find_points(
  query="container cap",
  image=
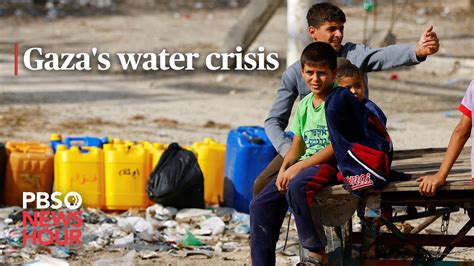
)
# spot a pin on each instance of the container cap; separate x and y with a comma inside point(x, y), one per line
point(61, 147)
point(55, 137)
point(157, 145)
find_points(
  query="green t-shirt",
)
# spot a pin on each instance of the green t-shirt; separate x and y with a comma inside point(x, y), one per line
point(310, 124)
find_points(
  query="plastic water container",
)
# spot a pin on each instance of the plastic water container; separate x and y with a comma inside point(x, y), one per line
point(29, 169)
point(211, 158)
point(82, 171)
point(126, 174)
point(249, 151)
point(156, 151)
point(3, 164)
point(56, 139)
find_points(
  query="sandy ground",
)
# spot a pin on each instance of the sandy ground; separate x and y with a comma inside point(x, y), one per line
point(185, 107)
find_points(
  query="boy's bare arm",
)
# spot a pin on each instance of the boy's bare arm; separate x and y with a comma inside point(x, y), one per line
point(294, 153)
point(324, 156)
point(462, 132)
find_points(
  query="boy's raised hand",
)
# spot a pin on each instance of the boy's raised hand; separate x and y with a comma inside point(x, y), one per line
point(429, 184)
point(428, 43)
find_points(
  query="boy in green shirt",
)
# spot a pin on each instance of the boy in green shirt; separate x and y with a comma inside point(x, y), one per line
point(304, 165)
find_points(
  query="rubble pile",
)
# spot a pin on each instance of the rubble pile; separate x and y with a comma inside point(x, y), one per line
point(142, 234)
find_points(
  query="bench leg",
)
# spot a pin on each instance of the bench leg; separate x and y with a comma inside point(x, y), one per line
point(460, 235)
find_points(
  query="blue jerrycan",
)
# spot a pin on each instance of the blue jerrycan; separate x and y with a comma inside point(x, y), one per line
point(56, 140)
point(248, 152)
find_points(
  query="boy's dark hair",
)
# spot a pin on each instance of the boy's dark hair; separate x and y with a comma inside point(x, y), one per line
point(319, 54)
point(347, 70)
point(324, 12)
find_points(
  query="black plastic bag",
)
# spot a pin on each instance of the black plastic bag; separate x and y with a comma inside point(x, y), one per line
point(177, 180)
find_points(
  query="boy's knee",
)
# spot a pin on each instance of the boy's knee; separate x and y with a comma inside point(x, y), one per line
point(296, 185)
point(254, 205)
point(260, 183)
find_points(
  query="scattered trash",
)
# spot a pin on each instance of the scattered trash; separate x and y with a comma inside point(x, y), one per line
point(170, 224)
point(239, 217)
point(215, 224)
point(201, 232)
point(356, 223)
point(60, 252)
point(137, 224)
point(242, 229)
point(206, 253)
point(148, 254)
point(151, 247)
point(186, 215)
point(161, 213)
point(126, 260)
point(95, 216)
point(218, 248)
point(191, 240)
point(124, 240)
point(225, 213)
point(393, 76)
point(184, 233)
point(5, 212)
point(230, 246)
point(45, 260)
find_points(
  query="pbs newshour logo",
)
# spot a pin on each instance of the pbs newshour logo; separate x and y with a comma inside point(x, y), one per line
point(51, 223)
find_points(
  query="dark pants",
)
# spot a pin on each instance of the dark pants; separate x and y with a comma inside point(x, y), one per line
point(268, 209)
point(267, 175)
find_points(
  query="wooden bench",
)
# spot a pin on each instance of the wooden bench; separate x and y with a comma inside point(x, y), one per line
point(376, 209)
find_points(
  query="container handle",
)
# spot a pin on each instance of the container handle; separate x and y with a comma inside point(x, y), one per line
point(34, 149)
point(86, 149)
point(75, 141)
point(252, 139)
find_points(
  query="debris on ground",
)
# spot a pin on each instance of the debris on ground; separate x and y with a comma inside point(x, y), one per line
point(136, 234)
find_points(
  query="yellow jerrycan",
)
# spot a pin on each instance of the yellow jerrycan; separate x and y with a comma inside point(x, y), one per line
point(126, 173)
point(82, 171)
point(155, 150)
point(211, 158)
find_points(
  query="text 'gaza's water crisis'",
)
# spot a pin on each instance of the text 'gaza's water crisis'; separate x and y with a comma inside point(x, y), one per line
point(36, 58)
